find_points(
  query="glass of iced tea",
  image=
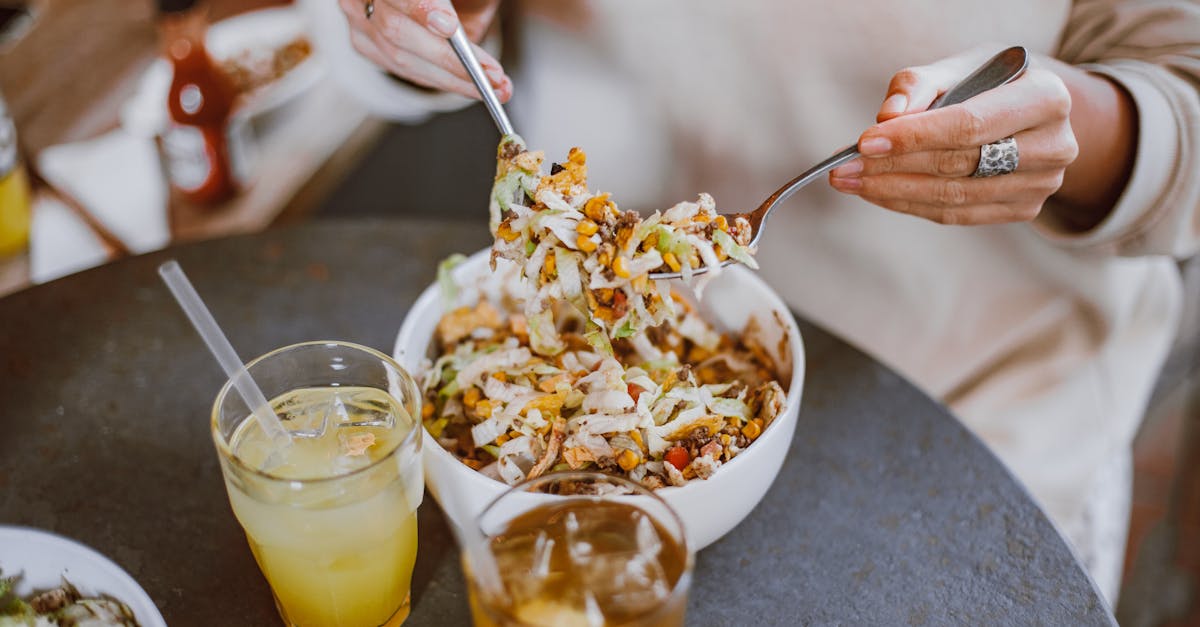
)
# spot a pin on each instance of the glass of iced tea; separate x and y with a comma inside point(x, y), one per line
point(332, 518)
point(578, 548)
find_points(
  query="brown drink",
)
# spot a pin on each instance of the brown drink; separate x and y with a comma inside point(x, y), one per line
point(588, 561)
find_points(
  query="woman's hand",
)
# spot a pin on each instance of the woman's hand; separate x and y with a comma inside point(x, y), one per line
point(920, 162)
point(408, 39)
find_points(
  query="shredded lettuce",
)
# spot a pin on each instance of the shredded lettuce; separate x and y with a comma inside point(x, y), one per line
point(735, 250)
point(446, 282)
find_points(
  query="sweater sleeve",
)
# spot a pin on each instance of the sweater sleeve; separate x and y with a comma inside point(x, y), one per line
point(381, 93)
point(1152, 49)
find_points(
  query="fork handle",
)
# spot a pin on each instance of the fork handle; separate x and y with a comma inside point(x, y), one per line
point(462, 48)
point(999, 70)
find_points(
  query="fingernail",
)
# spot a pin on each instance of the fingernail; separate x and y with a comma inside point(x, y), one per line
point(441, 23)
point(496, 74)
point(847, 185)
point(896, 103)
point(853, 168)
point(875, 146)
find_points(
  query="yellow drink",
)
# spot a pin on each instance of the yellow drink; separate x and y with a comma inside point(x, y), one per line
point(331, 519)
point(14, 211)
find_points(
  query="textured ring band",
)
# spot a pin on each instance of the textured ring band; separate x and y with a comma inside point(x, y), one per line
point(997, 158)
point(369, 8)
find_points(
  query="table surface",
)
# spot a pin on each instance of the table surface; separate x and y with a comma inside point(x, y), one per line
point(887, 511)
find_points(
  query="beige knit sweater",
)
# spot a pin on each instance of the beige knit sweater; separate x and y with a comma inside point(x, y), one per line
point(1045, 344)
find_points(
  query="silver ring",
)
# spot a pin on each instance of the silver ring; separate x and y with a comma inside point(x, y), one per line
point(997, 158)
point(369, 8)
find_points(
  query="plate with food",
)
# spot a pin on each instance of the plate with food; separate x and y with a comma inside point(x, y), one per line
point(553, 350)
point(46, 579)
point(267, 54)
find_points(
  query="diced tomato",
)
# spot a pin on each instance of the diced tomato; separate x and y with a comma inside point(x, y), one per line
point(635, 391)
point(677, 457)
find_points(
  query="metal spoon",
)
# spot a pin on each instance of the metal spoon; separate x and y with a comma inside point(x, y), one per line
point(462, 48)
point(999, 70)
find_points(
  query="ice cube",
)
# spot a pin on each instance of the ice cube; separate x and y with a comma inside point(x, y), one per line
point(543, 550)
point(578, 549)
point(632, 581)
point(365, 408)
point(308, 420)
point(648, 541)
point(591, 609)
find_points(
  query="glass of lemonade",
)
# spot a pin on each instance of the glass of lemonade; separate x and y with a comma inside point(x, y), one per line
point(331, 519)
point(579, 548)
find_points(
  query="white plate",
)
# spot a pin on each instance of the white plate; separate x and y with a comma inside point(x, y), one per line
point(43, 559)
point(145, 113)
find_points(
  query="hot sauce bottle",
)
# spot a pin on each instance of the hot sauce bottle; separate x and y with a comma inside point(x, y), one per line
point(196, 145)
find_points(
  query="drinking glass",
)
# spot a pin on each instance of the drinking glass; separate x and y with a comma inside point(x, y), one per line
point(331, 518)
point(578, 548)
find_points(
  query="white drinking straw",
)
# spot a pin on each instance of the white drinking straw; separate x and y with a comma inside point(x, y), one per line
point(207, 327)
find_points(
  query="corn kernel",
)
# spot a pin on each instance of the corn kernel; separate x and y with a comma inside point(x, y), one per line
point(721, 223)
point(551, 263)
point(585, 244)
point(505, 231)
point(587, 227)
point(751, 430)
point(721, 255)
point(596, 207)
point(672, 262)
point(548, 404)
point(502, 438)
point(636, 436)
point(640, 281)
point(471, 396)
point(701, 217)
point(628, 460)
point(484, 408)
point(725, 439)
point(427, 411)
point(620, 268)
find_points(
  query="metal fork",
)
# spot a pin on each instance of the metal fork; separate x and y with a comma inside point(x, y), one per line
point(999, 70)
point(462, 48)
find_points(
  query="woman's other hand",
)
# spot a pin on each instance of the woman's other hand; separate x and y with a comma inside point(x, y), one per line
point(408, 39)
point(920, 162)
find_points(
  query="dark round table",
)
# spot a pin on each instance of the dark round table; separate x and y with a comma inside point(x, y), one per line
point(887, 511)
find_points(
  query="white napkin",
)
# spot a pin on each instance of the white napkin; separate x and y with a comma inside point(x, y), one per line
point(60, 243)
point(118, 179)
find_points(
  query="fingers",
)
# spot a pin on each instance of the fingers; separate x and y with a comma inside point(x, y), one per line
point(913, 90)
point(1040, 149)
point(436, 16)
point(1037, 98)
point(442, 18)
point(958, 200)
point(408, 38)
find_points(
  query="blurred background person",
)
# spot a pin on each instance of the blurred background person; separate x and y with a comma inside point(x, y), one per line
point(1038, 303)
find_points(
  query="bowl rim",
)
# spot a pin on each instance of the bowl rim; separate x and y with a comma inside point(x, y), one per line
point(430, 297)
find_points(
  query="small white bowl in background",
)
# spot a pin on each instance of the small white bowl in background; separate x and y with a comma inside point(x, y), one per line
point(709, 508)
point(43, 560)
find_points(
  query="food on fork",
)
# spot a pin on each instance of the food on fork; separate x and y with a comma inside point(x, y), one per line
point(664, 407)
point(576, 246)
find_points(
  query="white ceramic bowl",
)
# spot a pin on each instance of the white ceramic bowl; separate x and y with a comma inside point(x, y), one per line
point(709, 508)
point(44, 560)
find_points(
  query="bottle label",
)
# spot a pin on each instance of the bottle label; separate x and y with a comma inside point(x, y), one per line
point(186, 156)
